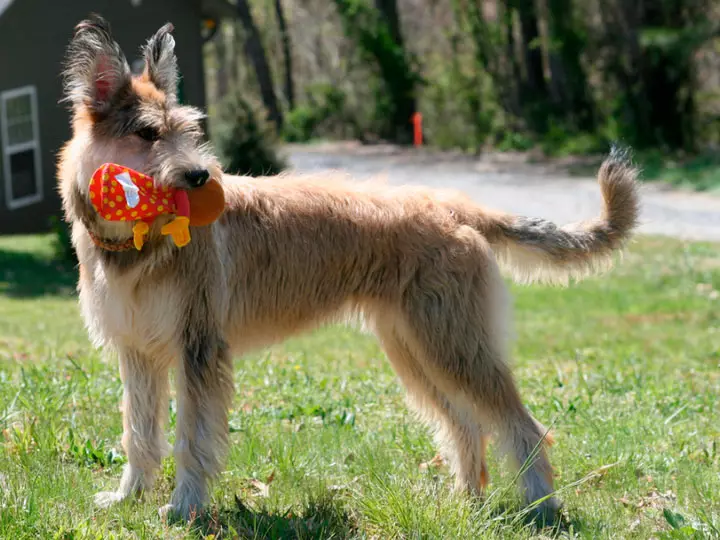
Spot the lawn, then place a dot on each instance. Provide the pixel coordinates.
(624, 366)
(700, 172)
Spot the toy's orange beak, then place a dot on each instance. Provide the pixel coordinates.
(207, 203)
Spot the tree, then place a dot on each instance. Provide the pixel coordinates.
(379, 39)
(652, 45)
(287, 54)
(405, 100)
(256, 55)
(569, 82)
(389, 10)
(534, 90)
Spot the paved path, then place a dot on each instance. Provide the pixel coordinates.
(517, 187)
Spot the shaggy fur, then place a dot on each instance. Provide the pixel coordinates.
(291, 253)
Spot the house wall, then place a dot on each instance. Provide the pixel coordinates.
(26, 60)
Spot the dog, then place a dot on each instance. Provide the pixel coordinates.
(291, 252)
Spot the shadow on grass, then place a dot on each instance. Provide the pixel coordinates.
(25, 274)
(318, 519)
(327, 519)
(563, 523)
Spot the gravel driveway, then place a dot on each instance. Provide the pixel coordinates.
(520, 188)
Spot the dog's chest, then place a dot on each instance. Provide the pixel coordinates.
(131, 311)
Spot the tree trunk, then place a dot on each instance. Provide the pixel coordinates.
(568, 78)
(389, 10)
(657, 80)
(405, 103)
(667, 76)
(534, 92)
(531, 43)
(221, 57)
(287, 55)
(512, 70)
(256, 54)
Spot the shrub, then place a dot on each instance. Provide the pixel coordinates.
(62, 244)
(245, 140)
(324, 113)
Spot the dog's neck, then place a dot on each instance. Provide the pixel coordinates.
(110, 244)
(107, 235)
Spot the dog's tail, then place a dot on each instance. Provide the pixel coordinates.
(538, 250)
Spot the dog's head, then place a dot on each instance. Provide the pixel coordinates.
(131, 120)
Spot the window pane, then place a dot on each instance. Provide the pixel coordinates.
(20, 133)
(22, 174)
(19, 119)
(18, 106)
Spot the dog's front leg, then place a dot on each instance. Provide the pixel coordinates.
(205, 389)
(145, 405)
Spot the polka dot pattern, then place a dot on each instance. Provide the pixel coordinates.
(118, 200)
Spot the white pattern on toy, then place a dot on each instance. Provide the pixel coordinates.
(131, 190)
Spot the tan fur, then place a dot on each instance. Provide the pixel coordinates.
(143, 87)
(291, 253)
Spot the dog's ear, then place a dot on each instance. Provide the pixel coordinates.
(96, 69)
(160, 61)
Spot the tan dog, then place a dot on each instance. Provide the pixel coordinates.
(292, 253)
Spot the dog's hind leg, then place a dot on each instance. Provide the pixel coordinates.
(145, 405)
(454, 315)
(460, 436)
(204, 389)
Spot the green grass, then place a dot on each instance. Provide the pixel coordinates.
(699, 172)
(585, 152)
(625, 366)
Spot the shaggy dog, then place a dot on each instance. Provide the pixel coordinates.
(291, 253)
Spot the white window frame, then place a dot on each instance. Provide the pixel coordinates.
(10, 149)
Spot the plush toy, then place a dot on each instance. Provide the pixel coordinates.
(121, 194)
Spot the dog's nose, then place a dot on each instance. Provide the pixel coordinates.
(197, 177)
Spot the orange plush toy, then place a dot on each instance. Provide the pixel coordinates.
(121, 194)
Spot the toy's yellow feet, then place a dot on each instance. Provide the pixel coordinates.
(179, 230)
(140, 229)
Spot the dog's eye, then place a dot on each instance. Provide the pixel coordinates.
(148, 133)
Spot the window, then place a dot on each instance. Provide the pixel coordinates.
(21, 147)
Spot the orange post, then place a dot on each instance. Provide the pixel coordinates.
(417, 129)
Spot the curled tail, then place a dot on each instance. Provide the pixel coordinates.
(538, 250)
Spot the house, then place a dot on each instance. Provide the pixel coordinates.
(34, 124)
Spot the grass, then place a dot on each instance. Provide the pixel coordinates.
(625, 366)
(698, 172)
(701, 172)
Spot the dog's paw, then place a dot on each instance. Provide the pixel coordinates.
(105, 499)
(167, 511)
(173, 512)
(547, 513)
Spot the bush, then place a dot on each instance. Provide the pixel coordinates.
(245, 140)
(62, 243)
(323, 114)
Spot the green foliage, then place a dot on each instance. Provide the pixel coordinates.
(516, 141)
(700, 172)
(92, 454)
(563, 141)
(563, 76)
(62, 244)
(398, 79)
(323, 114)
(244, 139)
